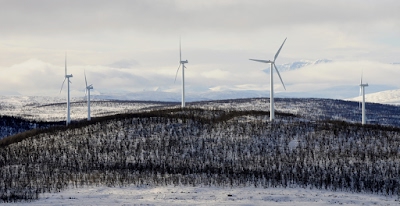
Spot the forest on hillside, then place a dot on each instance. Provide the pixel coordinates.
(10, 125)
(204, 147)
(43, 113)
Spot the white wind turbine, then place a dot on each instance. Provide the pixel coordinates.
(272, 109)
(87, 92)
(362, 92)
(67, 76)
(183, 74)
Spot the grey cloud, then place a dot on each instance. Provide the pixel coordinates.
(124, 64)
(49, 16)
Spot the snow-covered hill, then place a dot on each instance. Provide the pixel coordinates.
(43, 108)
(384, 97)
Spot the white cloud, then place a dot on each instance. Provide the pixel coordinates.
(217, 74)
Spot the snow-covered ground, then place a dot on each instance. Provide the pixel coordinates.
(54, 108)
(171, 195)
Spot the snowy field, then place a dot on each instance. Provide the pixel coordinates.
(171, 195)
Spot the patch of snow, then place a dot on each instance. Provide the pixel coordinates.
(293, 144)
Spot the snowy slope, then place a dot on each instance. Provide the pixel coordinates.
(384, 97)
(42, 108)
(179, 195)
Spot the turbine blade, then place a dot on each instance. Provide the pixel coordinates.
(85, 77)
(361, 75)
(277, 53)
(180, 51)
(177, 72)
(259, 60)
(62, 85)
(65, 63)
(279, 75)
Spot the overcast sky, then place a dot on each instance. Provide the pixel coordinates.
(134, 45)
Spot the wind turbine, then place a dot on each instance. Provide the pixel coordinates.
(272, 109)
(67, 76)
(183, 74)
(87, 91)
(362, 92)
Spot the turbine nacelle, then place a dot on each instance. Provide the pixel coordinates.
(68, 76)
(184, 62)
(89, 87)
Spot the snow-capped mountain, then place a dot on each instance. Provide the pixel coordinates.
(298, 64)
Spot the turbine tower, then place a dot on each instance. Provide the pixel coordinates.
(87, 91)
(183, 74)
(271, 100)
(362, 92)
(67, 76)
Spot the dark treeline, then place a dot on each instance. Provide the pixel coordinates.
(14, 125)
(203, 147)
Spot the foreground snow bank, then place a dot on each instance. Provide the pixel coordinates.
(171, 195)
